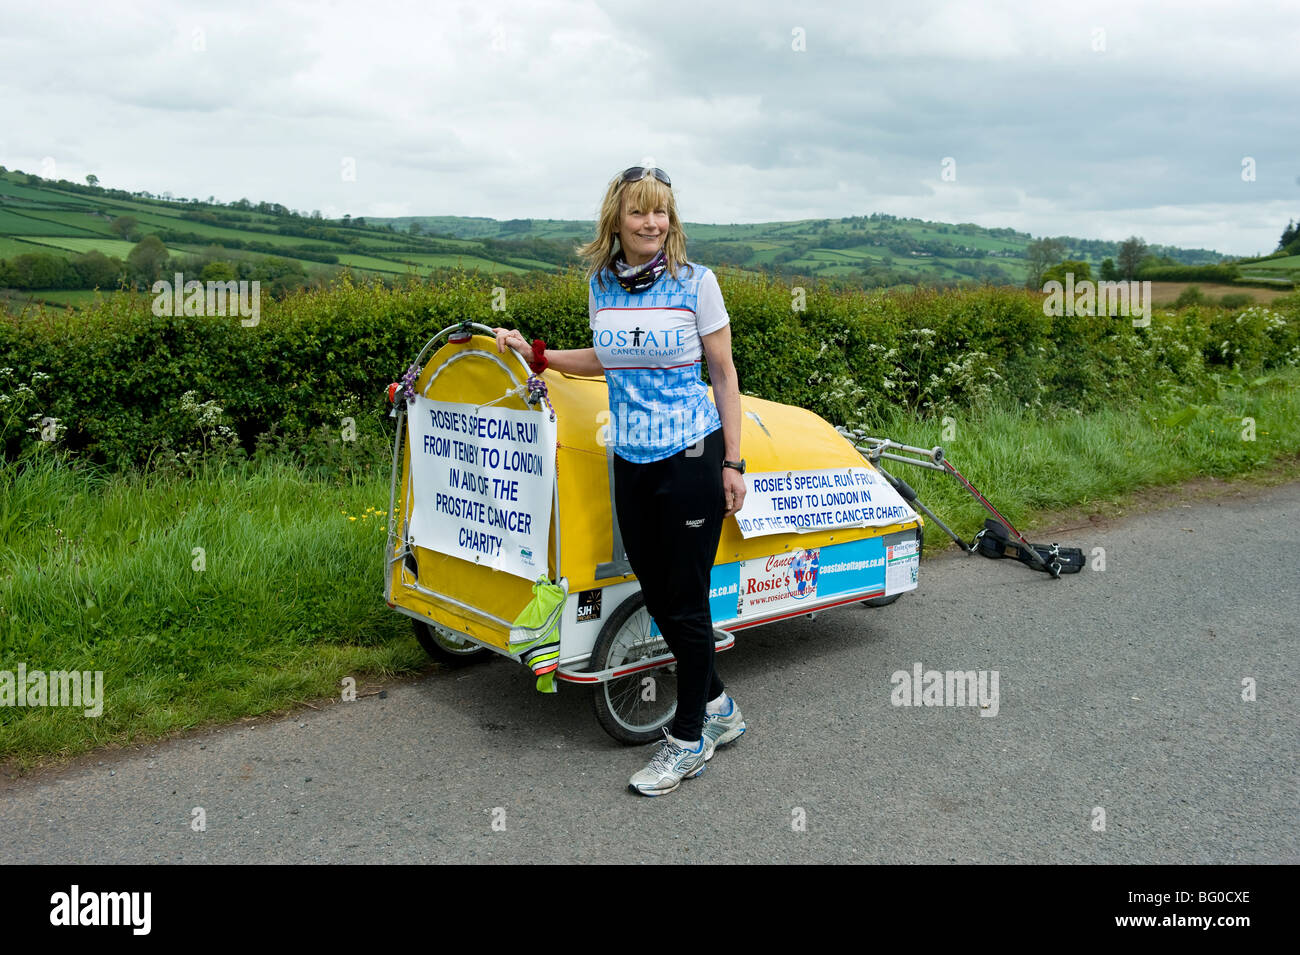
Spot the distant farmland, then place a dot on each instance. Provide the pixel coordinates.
(66, 220)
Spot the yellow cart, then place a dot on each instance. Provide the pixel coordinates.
(511, 481)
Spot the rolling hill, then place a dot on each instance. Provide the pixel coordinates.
(67, 220)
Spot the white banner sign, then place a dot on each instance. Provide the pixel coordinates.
(482, 480)
(783, 502)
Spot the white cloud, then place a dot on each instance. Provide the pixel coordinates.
(526, 109)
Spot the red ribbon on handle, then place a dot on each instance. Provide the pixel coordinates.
(540, 361)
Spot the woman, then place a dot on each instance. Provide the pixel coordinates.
(677, 464)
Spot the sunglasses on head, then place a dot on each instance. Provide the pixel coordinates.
(637, 173)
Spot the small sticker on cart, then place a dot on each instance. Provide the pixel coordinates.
(588, 605)
(901, 562)
(902, 549)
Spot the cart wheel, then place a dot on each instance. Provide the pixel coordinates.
(445, 649)
(621, 705)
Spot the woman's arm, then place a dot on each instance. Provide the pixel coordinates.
(726, 395)
(571, 361)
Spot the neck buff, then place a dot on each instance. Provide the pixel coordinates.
(638, 278)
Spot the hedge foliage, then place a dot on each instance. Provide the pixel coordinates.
(129, 388)
(1228, 273)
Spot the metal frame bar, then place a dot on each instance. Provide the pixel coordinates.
(933, 459)
(416, 615)
(724, 640)
(902, 487)
(618, 565)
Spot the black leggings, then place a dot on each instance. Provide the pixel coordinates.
(670, 514)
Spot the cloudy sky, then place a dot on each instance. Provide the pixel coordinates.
(1176, 122)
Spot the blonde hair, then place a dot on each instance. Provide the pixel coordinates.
(647, 193)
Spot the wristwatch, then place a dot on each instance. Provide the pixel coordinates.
(735, 465)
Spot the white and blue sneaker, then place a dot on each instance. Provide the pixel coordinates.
(725, 727)
(670, 764)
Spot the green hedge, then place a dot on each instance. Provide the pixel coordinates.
(117, 373)
(1228, 273)
(1225, 274)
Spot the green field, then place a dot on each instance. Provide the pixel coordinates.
(9, 247)
(83, 222)
(1288, 266)
(427, 262)
(374, 264)
(154, 220)
(40, 194)
(536, 264)
(217, 233)
(78, 297)
(28, 223)
(114, 247)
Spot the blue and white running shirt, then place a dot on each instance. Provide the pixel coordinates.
(649, 343)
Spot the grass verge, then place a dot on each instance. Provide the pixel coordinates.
(238, 591)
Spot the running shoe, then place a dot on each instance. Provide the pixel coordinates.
(671, 764)
(726, 727)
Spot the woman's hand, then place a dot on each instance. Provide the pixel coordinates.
(513, 338)
(568, 361)
(733, 491)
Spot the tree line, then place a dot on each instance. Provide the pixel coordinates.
(1136, 260)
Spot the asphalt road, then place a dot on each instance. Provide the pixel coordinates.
(1119, 690)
